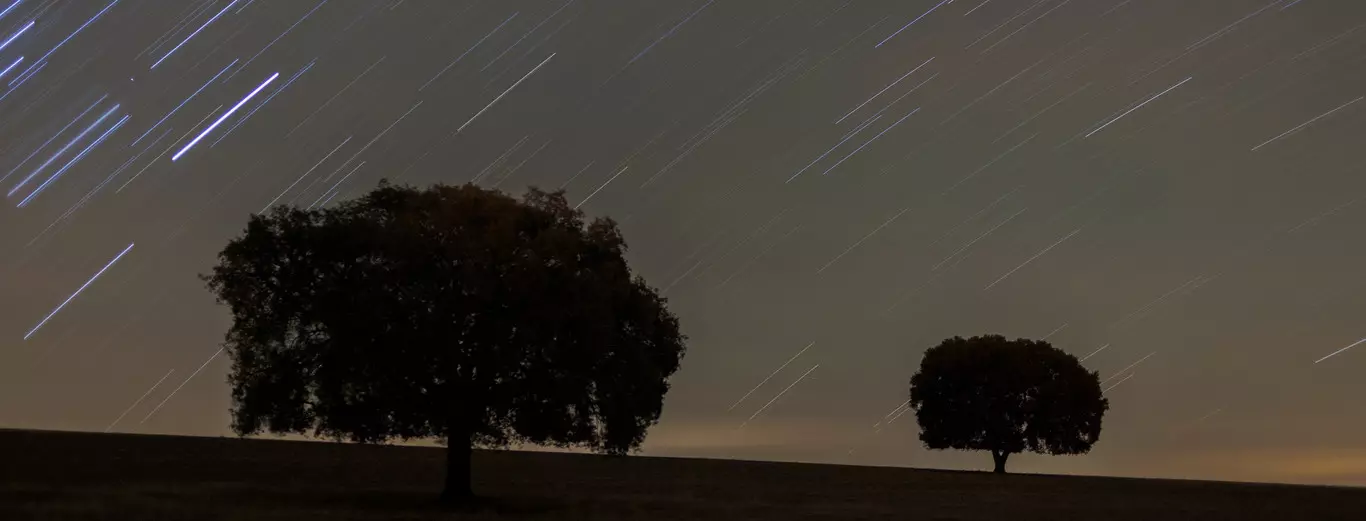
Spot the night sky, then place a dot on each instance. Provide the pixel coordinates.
(1168, 189)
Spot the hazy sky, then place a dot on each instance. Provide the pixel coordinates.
(1175, 182)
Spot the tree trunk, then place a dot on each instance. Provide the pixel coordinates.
(458, 451)
(999, 458)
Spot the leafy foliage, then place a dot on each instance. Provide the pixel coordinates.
(455, 313)
(1006, 396)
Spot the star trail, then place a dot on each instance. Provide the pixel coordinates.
(1122, 178)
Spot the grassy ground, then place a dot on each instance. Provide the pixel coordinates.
(54, 476)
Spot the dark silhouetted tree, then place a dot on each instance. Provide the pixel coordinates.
(1006, 397)
(453, 313)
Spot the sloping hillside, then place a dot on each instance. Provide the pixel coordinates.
(59, 475)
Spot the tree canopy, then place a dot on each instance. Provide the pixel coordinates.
(454, 313)
(1006, 397)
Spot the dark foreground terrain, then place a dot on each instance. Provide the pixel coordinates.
(55, 475)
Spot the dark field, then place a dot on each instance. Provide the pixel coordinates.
(52, 475)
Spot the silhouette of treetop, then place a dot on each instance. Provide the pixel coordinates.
(1006, 397)
(455, 313)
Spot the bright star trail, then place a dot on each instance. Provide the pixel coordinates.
(10, 8)
(505, 93)
(842, 141)
(779, 395)
(305, 174)
(181, 386)
(182, 104)
(866, 176)
(884, 89)
(965, 247)
(1094, 353)
(604, 185)
(1136, 107)
(1029, 260)
(138, 401)
(43, 58)
(263, 103)
(669, 33)
(59, 152)
(912, 22)
(11, 67)
(870, 141)
(1116, 384)
(769, 377)
(16, 35)
(225, 115)
(24, 202)
(192, 35)
(54, 137)
(78, 292)
(1054, 332)
(1127, 368)
(466, 53)
(1335, 353)
(1301, 126)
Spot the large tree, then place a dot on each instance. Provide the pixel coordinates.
(455, 313)
(1006, 397)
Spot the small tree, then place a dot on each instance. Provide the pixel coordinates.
(1006, 396)
(454, 313)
